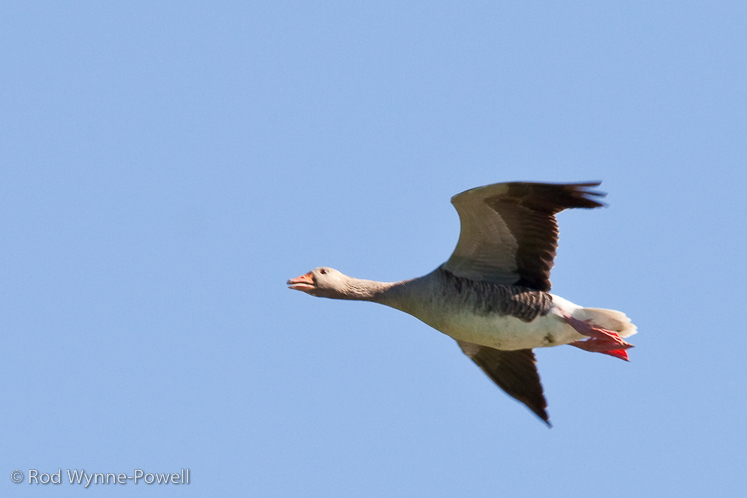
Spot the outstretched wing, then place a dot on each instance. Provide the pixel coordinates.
(514, 371)
(509, 233)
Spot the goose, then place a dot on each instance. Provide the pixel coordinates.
(493, 293)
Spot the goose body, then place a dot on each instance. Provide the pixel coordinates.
(492, 295)
(494, 315)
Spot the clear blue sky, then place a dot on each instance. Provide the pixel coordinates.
(166, 167)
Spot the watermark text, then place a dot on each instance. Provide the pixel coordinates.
(82, 478)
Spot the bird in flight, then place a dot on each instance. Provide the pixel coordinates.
(493, 294)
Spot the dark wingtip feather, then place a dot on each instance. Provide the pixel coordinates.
(553, 197)
(538, 407)
(582, 192)
(542, 414)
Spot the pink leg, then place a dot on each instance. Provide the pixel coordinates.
(600, 340)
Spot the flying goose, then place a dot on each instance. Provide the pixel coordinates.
(492, 295)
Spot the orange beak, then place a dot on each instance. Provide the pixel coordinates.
(303, 283)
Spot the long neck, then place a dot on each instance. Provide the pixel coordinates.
(400, 295)
(357, 289)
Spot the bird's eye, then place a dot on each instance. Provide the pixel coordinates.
(323, 271)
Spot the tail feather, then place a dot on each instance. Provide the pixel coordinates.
(613, 320)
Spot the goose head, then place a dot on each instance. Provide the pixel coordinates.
(322, 282)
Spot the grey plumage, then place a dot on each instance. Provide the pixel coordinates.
(485, 298)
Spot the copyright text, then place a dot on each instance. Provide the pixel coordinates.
(86, 479)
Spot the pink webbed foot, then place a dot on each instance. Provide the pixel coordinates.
(600, 339)
(603, 346)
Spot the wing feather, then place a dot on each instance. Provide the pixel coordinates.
(509, 233)
(513, 371)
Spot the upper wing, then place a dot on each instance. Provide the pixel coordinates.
(509, 233)
(514, 371)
